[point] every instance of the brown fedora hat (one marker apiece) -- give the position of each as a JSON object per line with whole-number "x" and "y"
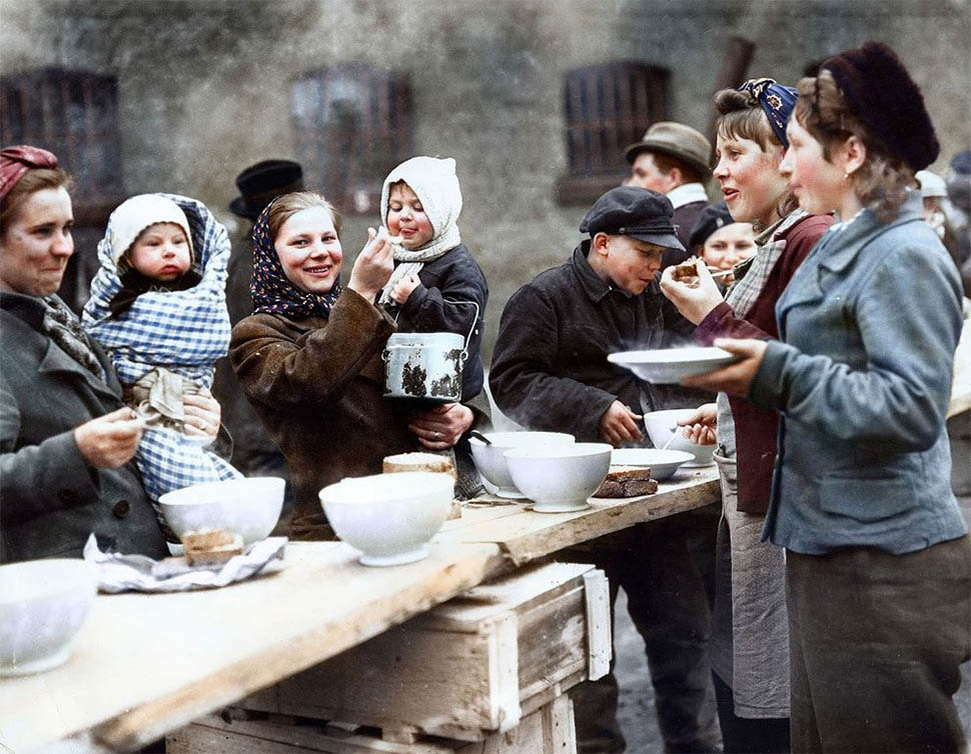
{"x": 676, "y": 140}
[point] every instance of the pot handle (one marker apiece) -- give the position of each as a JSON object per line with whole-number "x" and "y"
{"x": 475, "y": 321}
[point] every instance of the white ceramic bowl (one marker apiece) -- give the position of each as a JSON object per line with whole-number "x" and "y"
{"x": 389, "y": 517}
{"x": 559, "y": 478}
{"x": 663, "y": 463}
{"x": 669, "y": 365}
{"x": 491, "y": 461}
{"x": 660, "y": 425}
{"x": 43, "y": 604}
{"x": 249, "y": 507}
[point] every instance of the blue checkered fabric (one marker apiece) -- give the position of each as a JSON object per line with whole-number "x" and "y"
{"x": 183, "y": 331}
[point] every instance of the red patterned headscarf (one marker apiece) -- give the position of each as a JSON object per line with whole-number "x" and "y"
{"x": 272, "y": 290}
{"x": 15, "y": 161}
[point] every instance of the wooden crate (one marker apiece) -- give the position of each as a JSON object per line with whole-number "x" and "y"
{"x": 548, "y": 730}
{"x": 468, "y": 668}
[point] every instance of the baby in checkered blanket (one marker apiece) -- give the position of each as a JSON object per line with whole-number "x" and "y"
{"x": 158, "y": 307}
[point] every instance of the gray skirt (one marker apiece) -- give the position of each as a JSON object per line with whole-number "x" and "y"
{"x": 750, "y": 636}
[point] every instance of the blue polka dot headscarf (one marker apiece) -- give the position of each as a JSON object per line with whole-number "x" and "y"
{"x": 272, "y": 291}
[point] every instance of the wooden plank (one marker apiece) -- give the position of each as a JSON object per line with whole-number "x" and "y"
{"x": 599, "y": 636}
{"x": 151, "y": 663}
{"x": 461, "y": 669}
{"x": 525, "y": 536}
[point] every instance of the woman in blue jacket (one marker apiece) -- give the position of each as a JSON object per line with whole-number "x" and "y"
{"x": 878, "y": 561}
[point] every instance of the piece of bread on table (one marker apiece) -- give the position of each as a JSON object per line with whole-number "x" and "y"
{"x": 211, "y": 546}
{"x": 627, "y": 481}
{"x": 419, "y": 462}
{"x": 424, "y": 462}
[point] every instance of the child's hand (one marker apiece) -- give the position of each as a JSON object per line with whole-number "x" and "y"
{"x": 403, "y": 288}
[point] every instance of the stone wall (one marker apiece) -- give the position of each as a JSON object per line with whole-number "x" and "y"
{"x": 204, "y": 85}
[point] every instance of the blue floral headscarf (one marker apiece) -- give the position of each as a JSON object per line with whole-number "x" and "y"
{"x": 272, "y": 291}
{"x": 776, "y": 100}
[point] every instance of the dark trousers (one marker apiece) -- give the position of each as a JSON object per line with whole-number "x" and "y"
{"x": 668, "y": 605}
{"x": 875, "y": 644}
{"x": 748, "y": 735}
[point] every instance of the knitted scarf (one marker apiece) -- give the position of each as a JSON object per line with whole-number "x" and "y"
{"x": 63, "y": 327}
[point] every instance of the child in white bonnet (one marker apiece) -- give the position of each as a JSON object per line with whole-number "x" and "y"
{"x": 158, "y": 308}
{"x": 435, "y": 277}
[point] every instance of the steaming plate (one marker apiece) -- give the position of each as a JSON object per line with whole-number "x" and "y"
{"x": 669, "y": 365}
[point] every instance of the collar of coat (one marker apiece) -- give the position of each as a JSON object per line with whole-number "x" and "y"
{"x": 30, "y": 309}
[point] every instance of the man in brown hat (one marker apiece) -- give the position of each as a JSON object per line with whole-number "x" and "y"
{"x": 673, "y": 159}
{"x": 253, "y": 452}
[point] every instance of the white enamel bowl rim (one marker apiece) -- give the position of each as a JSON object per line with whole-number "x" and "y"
{"x": 577, "y": 449}
{"x": 669, "y": 365}
{"x": 386, "y": 488}
{"x": 516, "y": 439}
{"x": 195, "y": 494}
{"x": 60, "y": 575}
{"x": 647, "y": 456}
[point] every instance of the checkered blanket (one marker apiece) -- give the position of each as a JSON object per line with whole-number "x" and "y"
{"x": 182, "y": 331}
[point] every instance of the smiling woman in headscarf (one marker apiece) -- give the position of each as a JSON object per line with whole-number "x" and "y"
{"x": 309, "y": 358}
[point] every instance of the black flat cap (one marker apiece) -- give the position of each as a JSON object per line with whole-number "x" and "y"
{"x": 263, "y": 182}
{"x": 635, "y": 212}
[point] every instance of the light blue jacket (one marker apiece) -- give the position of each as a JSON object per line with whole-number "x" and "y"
{"x": 862, "y": 375}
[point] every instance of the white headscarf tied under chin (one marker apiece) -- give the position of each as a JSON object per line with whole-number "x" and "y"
{"x": 437, "y": 187}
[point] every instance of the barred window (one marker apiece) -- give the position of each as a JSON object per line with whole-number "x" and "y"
{"x": 607, "y": 107}
{"x": 352, "y": 125}
{"x": 74, "y": 114}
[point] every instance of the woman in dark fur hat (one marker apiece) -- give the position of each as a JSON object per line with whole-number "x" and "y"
{"x": 878, "y": 560}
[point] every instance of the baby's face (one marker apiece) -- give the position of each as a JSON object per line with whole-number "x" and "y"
{"x": 161, "y": 252}
{"x": 407, "y": 218}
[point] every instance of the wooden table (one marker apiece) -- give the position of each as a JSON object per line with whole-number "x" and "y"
{"x": 145, "y": 665}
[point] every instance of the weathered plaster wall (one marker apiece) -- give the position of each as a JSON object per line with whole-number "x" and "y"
{"x": 204, "y": 84}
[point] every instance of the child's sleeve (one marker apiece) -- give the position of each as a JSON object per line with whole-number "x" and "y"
{"x": 445, "y": 307}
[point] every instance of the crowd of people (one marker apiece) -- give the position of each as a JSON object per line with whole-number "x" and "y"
{"x": 825, "y": 605}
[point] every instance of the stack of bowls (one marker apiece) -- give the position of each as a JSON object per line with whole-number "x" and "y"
{"x": 490, "y": 457}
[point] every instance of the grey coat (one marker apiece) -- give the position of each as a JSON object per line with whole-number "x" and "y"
{"x": 50, "y": 498}
{"x": 862, "y": 375}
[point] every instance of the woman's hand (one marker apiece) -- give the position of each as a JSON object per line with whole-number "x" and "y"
{"x": 693, "y": 303}
{"x": 404, "y": 287}
{"x": 736, "y": 378}
{"x": 700, "y": 426}
{"x": 202, "y": 415}
{"x": 109, "y": 441}
{"x": 373, "y": 265}
{"x": 441, "y": 427}
{"x": 618, "y": 424}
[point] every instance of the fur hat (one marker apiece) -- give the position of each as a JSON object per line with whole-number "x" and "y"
{"x": 880, "y": 92}
{"x": 134, "y": 215}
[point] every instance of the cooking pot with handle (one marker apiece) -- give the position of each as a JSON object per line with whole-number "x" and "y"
{"x": 427, "y": 366}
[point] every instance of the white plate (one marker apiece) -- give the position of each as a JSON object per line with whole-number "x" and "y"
{"x": 667, "y": 366}
{"x": 663, "y": 463}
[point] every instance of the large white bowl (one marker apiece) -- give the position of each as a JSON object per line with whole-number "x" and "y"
{"x": 663, "y": 463}
{"x": 660, "y": 425}
{"x": 249, "y": 507}
{"x": 389, "y": 517}
{"x": 669, "y": 365}
{"x": 43, "y": 604}
{"x": 491, "y": 461}
{"x": 559, "y": 478}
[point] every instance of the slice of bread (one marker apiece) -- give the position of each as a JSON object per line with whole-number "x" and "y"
{"x": 418, "y": 462}
{"x": 211, "y": 546}
{"x": 627, "y": 481}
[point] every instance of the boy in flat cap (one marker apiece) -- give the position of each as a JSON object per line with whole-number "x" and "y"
{"x": 550, "y": 372}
